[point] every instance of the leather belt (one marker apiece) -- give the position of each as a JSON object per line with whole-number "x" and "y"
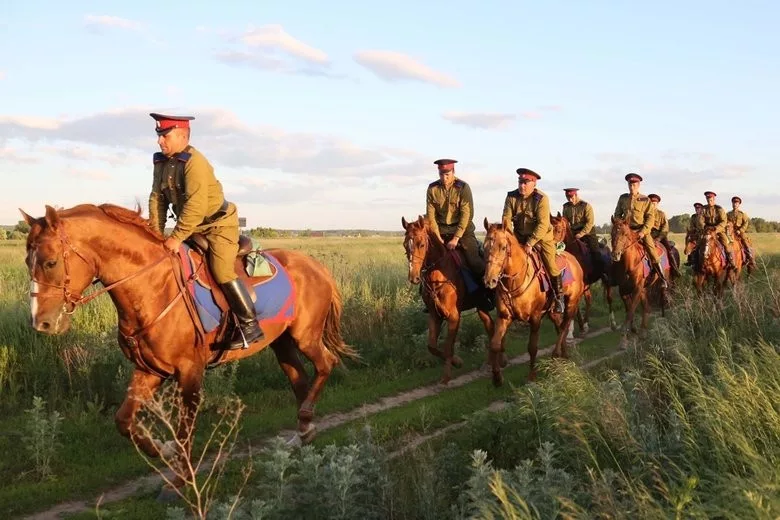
{"x": 217, "y": 214}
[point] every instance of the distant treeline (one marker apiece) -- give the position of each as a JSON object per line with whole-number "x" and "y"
{"x": 677, "y": 224}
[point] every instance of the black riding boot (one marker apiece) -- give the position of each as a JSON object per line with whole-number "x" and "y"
{"x": 660, "y": 271}
{"x": 241, "y": 304}
{"x": 689, "y": 260}
{"x": 558, "y": 291}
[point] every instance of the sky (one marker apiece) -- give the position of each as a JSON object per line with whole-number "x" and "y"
{"x": 328, "y": 115}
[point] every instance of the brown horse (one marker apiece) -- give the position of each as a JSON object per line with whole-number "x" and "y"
{"x": 710, "y": 264}
{"x": 443, "y": 289}
{"x": 633, "y": 273}
{"x": 523, "y": 293}
{"x": 160, "y": 325}
{"x": 562, "y": 233}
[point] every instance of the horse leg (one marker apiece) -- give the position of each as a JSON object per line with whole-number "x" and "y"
{"x": 450, "y": 359}
{"x": 285, "y": 349}
{"x": 434, "y": 329}
{"x": 533, "y": 345}
{"x": 324, "y": 361}
{"x": 584, "y": 322}
{"x": 487, "y": 321}
{"x": 497, "y": 348}
{"x": 141, "y": 388}
{"x": 608, "y": 296}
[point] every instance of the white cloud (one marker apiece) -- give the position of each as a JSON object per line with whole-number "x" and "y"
{"x": 394, "y": 66}
{"x": 271, "y": 48}
{"x": 101, "y": 21}
{"x": 119, "y": 134}
{"x": 88, "y": 174}
{"x": 276, "y": 38}
{"x": 483, "y": 120}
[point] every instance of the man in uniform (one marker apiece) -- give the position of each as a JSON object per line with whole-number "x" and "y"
{"x": 184, "y": 178}
{"x": 638, "y": 211}
{"x": 660, "y": 229}
{"x": 449, "y": 210}
{"x": 715, "y": 217}
{"x": 580, "y": 215}
{"x": 741, "y": 223}
{"x": 695, "y": 225}
{"x": 528, "y": 210}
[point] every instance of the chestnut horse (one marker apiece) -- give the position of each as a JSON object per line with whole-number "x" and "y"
{"x": 710, "y": 264}
{"x": 634, "y": 275}
{"x": 443, "y": 289}
{"x": 523, "y": 293}
{"x": 562, "y": 233}
{"x": 159, "y": 326}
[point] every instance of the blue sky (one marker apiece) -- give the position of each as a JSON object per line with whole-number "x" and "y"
{"x": 330, "y": 115}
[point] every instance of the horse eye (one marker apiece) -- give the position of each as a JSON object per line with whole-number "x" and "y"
{"x": 49, "y": 264}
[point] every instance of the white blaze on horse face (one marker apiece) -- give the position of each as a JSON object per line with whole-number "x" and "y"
{"x": 33, "y": 291}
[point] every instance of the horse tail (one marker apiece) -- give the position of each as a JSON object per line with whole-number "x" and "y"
{"x": 331, "y": 334}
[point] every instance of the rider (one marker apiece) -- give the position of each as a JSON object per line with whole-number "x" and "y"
{"x": 695, "y": 226}
{"x": 638, "y": 211}
{"x": 184, "y": 178}
{"x": 660, "y": 230}
{"x": 741, "y": 224}
{"x": 449, "y": 210}
{"x": 579, "y": 213}
{"x": 528, "y": 210}
{"x": 715, "y": 217}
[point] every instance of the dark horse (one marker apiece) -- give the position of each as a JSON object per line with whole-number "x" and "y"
{"x": 562, "y": 233}
{"x": 159, "y": 326}
{"x": 444, "y": 291}
{"x": 633, "y": 273}
{"x": 523, "y": 294}
{"x": 710, "y": 262}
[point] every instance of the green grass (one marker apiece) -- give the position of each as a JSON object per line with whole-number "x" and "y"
{"x": 83, "y": 374}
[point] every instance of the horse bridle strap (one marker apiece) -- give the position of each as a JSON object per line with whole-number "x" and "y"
{"x": 68, "y": 296}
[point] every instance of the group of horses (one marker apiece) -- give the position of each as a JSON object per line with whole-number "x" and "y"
{"x": 160, "y": 318}
{"x": 521, "y": 287}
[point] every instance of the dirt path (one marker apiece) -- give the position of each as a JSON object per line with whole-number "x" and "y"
{"x": 326, "y": 422}
{"x": 495, "y": 406}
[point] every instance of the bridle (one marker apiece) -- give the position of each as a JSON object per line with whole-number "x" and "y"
{"x": 70, "y": 299}
{"x": 510, "y": 294}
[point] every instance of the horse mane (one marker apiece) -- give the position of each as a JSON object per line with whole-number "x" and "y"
{"x": 131, "y": 217}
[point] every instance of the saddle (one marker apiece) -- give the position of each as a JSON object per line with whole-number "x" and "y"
{"x": 203, "y": 275}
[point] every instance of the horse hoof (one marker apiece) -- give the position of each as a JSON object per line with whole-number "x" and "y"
{"x": 167, "y": 495}
{"x": 444, "y": 381}
{"x": 305, "y": 413}
{"x": 532, "y": 376}
{"x": 308, "y": 434}
{"x": 457, "y": 362}
{"x": 498, "y": 379}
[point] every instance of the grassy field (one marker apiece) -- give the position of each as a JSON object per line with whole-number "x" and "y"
{"x": 689, "y": 414}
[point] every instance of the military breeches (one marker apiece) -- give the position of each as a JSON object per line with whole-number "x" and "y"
{"x": 223, "y": 249}
{"x": 649, "y": 244}
{"x": 724, "y": 239}
{"x": 547, "y": 252}
{"x": 746, "y": 239}
{"x": 471, "y": 251}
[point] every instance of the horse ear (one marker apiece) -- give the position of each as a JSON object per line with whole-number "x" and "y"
{"x": 612, "y": 218}
{"x": 52, "y": 218}
{"x": 420, "y": 220}
{"x": 486, "y": 224}
{"x": 27, "y": 218}
{"x": 404, "y": 223}
{"x": 559, "y": 214}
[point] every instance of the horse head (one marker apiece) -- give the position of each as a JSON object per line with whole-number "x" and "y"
{"x": 498, "y": 248}
{"x": 59, "y": 272}
{"x": 417, "y": 242}
{"x": 691, "y": 238}
{"x": 622, "y": 237}
{"x": 561, "y": 227}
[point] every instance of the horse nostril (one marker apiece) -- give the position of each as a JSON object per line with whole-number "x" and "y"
{"x": 44, "y": 325}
